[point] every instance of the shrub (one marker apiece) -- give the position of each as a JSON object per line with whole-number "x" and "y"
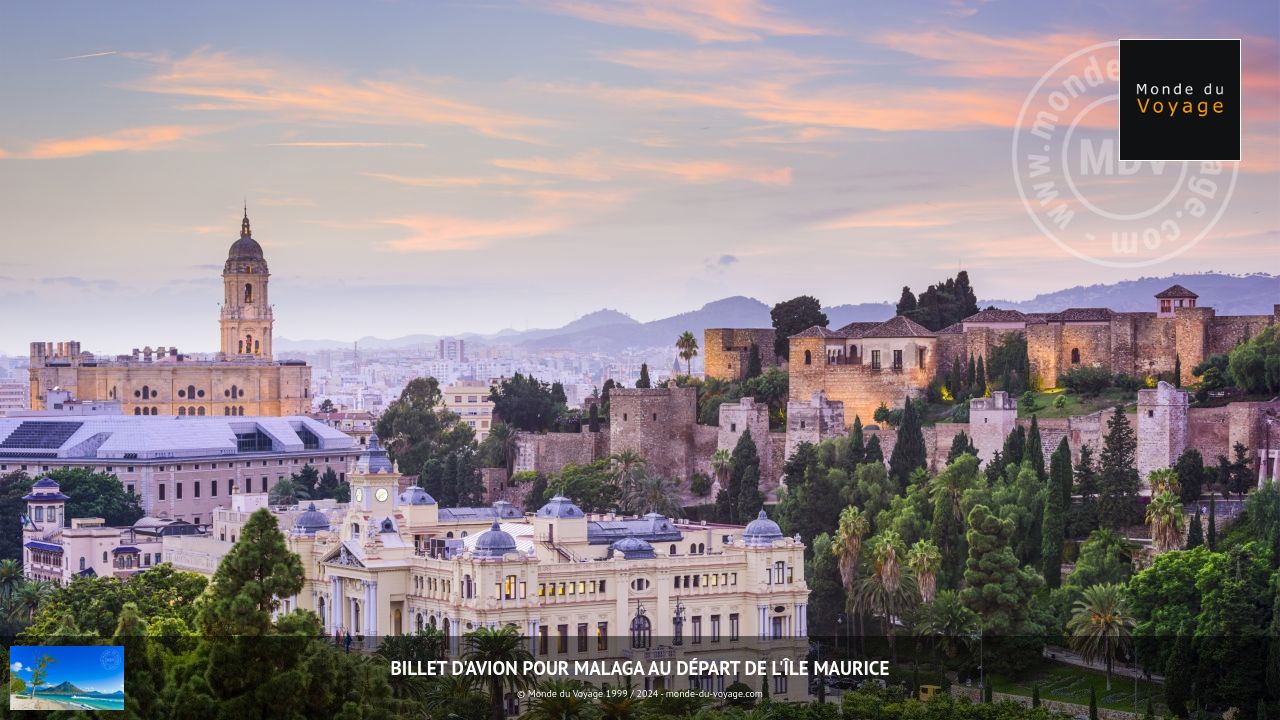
{"x": 1060, "y": 402}
{"x": 1128, "y": 382}
{"x": 1087, "y": 380}
{"x": 700, "y": 485}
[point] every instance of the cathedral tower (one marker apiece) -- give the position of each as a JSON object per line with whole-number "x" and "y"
{"x": 246, "y": 311}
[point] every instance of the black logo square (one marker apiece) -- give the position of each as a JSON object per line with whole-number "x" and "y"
{"x": 1179, "y": 99}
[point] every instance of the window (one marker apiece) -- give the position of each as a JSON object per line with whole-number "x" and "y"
{"x": 897, "y": 359}
{"x": 779, "y": 684}
{"x": 602, "y": 636}
{"x": 542, "y": 639}
{"x": 733, "y": 427}
{"x": 697, "y": 629}
{"x": 1075, "y": 356}
{"x": 562, "y": 639}
{"x": 733, "y": 626}
{"x": 178, "y": 490}
{"x": 875, "y": 359}
{"x": 213, "y": 488}
{"x": 641, "y": 632}
{"x": 808, "y": 358}
{"x": 39, "y": 513}
{"x": 582, "y": 637}
{"x": 161, "y": 491}
{"x": 715, "y": 628}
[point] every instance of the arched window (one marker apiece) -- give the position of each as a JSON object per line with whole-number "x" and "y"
{"x": 146, "y": 392}
{"x": 808, "y": 358}
{"x": 248, "y": 342}
{"x": 1075, "y": 356}
{"x": 468, "y": 587}
{"x": 191, "y": 411}
{"x": 137, "y": 411}
{"x": 200, "y": 411}
{"x": 702, "y": 548}
{"x": 191, "y": 391}
{"x": 673, "y": 550}
{"x": 248, "y": 292}
{"x": 182, "y": 411}
{"x": 82, "y": 563}
{"x": 419, "y": 623}
{"x": 257, "y": 347}
{"x": 240, "y": 348}
{"x": 641, "y": 631}
{"x": 104, "y": 556}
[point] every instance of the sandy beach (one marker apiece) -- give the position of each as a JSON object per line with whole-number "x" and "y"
{"x": 25, "y": 702}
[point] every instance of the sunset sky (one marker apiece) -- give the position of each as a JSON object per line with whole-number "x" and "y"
{"x": 453, "y": 167}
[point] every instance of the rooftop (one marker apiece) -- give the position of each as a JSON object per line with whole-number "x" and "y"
{"x": 1175, "y": 291}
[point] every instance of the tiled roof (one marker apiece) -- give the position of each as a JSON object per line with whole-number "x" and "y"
{"x": 856, "y": 329}
{"x": 1176, "y": 291}
{"x": 817, "y": 331}
{"x": 1036, "y": 318}
{"x": 50, "y": 547}
{"x": 1082, "y": 315}
{"x": 952, "y": 329}
{"x": 899, "y": 327}
{"x": 996, "y": 315}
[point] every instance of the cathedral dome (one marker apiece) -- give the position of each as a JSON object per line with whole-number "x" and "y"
{"x": 246, "y": 249}
{"x": 761, "y": 532}
{"x": 633, "y": 548}
{"x": 311, "y": 521}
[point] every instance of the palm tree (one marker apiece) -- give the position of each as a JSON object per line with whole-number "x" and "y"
{"x": 886, "y": 555}
{"x": 1167, "y": 521}
{"x": 448, "y": 692}
{"x": 1164, "y": 479}
{"x": 626, "y": 465}
{"x": 688, "y": 346}
{"x": 924, "y": 559}
{"x": 948, "y": 620}
{"x": 721, "y": 463}
{"x": 848, "y": 542}
{"x": 10, "y": 577}
{"x": 502, "y": 645}
{"x": 1100, "y": 625}
{"x": 888, "y": 591}
{"x": 504, "y": 439}
{"x": 28, "y": 598}
{"x": 652, "y": 493}
{"x": 618, "y": 708}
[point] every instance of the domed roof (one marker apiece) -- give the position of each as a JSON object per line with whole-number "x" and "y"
{"x": 311, "y": 521}
{"x": 762, "y": 531}
{"x": 246, "y": 248}
{"x": 560, "y": 507}
{"x": 416, "y": 496}
{"x": 374, "y": 459}
{"x": 46, "y": 482}
{"x": 633, "y": 548}
{"x": 494, "y": 543}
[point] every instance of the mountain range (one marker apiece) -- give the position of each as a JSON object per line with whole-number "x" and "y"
{"x": 609, "y": 330}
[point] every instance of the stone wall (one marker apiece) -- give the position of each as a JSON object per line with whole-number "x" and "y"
{"x": 725, "y": 351}
{"x": 990, "y": 422}
{"x": 548, "y": 453}
{"x": 737, "y": 418}
{"x": 861, "y": 388}
{"x": 1162, "y": 427}
{"x": 813, "y": 421}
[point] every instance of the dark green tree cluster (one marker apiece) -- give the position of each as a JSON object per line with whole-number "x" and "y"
{"x": 454, "y": 480}
{"x": 741, "y": 499}
{"x": 1254, "y": 365}
{"x": 1118, "y": 481}
{"x": 526, "y": 403}
{"x": 794, "y": 316}
{"x": 942, "y": 304}
{"x": 416, "y": 427}
{"x": 1009, "y": 366}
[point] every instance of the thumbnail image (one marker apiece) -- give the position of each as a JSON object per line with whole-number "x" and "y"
{"x": 72, "y": 677}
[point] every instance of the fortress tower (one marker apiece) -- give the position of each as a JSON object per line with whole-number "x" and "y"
{"x": 1162, "y": 428}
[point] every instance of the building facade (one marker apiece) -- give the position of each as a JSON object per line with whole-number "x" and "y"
{"x": 241, "y": 379}
{"x": 575, "y": 585}
{"x": 469, "y": 400}
{"x": 181, "y": 468}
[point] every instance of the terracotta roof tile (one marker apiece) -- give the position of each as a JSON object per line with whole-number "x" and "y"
{"x": 899, "y": 327}
{"x": 1176, "y": 291}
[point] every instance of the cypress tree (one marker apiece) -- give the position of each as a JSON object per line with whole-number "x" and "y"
{"x": 980, "y": 378}
{"x": 1177, "y": 371}
{"x": 593, "y": 419}
{"x": 1034, "y": 450}
{"x": 1055, "y": 515}
{"x": 1195, "y": 534}
{"x": 1015, "y": 447}
{"x": 1211, "y": 537}
{"x": 857, "y": 447}
{"x": 960, "y": 445}
{"x": 754, "y": 366}
{"x": 643, "y": 382}
{"x": 874, "y": 453}
{"x": 956, "y": 382}
{"x": 986, "y": 690}
{"x": 744, "y": 457}
{"x": 971, "y": 375}
{"x": 1118, "y": 481}
{"x": 752, "y": 500}
{"x": 909, "y": 451}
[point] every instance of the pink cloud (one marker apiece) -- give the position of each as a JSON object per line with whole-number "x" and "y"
{"x": 221, "y": 81}
{"x": 454, "y": 181}
{"x": 594, "y": 166}
{"x": 440, "y": 233}
{"x": 703, "y": 20}
{"x": 138, "y": 139}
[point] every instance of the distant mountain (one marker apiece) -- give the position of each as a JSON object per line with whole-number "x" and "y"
{"x": 1228, "y": 294}
{"x": 62, "y": 688}
{"x": 95, "y": 693}
{"x": 611, "y": 331}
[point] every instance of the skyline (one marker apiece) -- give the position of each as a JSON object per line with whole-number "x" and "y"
{"x": 417, "y": 167}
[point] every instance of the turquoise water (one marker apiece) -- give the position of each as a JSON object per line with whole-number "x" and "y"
{"x": 93, "y": 702}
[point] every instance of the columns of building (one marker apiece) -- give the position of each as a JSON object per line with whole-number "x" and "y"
{"x": 371, "y": 607}
{"x": 335, "y": 603}
{"x": 1268, "y": 467}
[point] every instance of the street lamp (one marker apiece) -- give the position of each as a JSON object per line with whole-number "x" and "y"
{"x": 678, "y": 624}
{"x": 840, "y": 624}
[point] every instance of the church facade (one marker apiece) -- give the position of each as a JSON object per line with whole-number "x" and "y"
{"x": 242, "y": 378}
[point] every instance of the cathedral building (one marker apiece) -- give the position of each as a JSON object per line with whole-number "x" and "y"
{"x": 242, "y": 378}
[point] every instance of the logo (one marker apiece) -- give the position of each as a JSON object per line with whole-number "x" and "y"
{"x": 111, "y": 658}
{"x": 1180, "y": 100}
{"x": 1079, "y": 193}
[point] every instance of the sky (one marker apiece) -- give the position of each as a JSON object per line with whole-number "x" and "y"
{"x": 450, "y": 167}
{"x": 90, "y": 668}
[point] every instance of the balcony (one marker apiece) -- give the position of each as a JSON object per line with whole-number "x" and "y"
{"x": 661, "y": 652}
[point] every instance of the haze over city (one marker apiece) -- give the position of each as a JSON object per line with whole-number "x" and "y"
{"x": 448, "y": 168}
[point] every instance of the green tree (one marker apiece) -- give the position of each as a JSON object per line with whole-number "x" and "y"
{"x": 942, "y": 303}
{"x": 40, "y": 672}
{"x": 743, "y": 458}
{"x": 947, "y": 490}
{"x": 874, "y": 454}
{"x": 593, "y": 423}
{"x": 1101, "y": 627}
{"x": 326, "y": 406}
{"x": 793, "y": 316}
{"x": 1167, "y": 521}
{"x": 417, "y": 428}
{"x": 1190, "y": 469}
{"x": 924, "y": 559}
{"x": 287, "y": 492}
{"x": 1105, "y": 557}
{"x": 1009, "y": 366}
{"x": 525, "y": 403}
{"x": 1118, "y": 481}
{"x": 96, "y": 494}
{"x": 1195, "y": 532}
{"x": 644, "y": 382}
{"x": 499, "y": 645}
{"x": 254, "y": 576}
{"x": 1254, "y": 365}
{"x": 1034, "y": 452}
{"x": 997, "y": 588}
{"x": 906, "y": 302}
{"x": 909, "y": 452}
{"x": 1055, "y": 515}
{"x": 960, "y": 444}
{"x": 687, "y": 344}
{"x": 847, "y": 543}
{"x": 887, "y": 591}
{"x": 1212, "y": 539}
{"x": 308, "y": 479}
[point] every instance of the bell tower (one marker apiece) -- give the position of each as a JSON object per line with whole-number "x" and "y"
{"x": 246, "y": 311}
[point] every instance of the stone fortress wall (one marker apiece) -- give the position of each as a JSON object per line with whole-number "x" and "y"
{"x": 725, "y": 351}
